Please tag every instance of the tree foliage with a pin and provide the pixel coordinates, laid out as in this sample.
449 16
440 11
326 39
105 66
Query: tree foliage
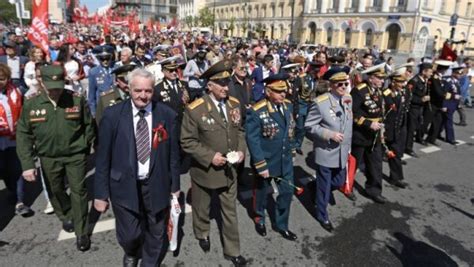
206 17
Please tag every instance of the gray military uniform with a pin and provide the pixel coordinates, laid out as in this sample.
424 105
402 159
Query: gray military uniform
326 116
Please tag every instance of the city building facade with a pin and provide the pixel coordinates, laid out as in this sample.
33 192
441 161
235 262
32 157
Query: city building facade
416 27
158 10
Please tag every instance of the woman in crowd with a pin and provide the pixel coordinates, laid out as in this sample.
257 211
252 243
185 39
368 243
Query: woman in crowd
36 55
73 69
10 167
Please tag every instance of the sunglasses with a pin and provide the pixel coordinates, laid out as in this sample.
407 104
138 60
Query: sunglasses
340 84
173 70
278 92
222 82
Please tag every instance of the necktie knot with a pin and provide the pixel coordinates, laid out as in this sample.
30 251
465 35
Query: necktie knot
141 113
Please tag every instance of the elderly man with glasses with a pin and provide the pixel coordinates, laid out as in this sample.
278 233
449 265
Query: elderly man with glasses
329 122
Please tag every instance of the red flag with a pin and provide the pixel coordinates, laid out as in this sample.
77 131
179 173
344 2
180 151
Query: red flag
149 24
447 53
38 33
158 26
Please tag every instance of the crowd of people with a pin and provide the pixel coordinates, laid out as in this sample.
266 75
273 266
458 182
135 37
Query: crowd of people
155 105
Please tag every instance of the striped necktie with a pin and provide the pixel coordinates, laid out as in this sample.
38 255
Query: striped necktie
142 138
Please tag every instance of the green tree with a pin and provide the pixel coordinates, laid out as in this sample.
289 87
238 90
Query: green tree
206 17
189 21
231 25
8 12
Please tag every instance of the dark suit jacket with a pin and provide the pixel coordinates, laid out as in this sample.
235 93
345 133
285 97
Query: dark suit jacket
23 61
116 161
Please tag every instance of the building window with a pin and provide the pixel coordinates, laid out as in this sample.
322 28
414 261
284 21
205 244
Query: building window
335 5
329 37
347 36
369 38
273 11
402 3
281 12
355 4
468 9
443 6
377 3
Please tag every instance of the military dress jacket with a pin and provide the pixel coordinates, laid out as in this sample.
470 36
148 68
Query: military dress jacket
437 91
328 115
48 130
417 90
107 99
452 97
367 107
270 137
396 103
174 98
204 133
100 80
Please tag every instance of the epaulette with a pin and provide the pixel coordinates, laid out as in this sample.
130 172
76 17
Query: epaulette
260 104
33 95
302 75
195 103
287 101
233 99
361 86
108 92
322 98
387 92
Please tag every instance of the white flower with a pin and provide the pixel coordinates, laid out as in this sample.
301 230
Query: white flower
232 157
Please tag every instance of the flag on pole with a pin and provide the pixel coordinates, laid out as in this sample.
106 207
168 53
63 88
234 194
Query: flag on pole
38 32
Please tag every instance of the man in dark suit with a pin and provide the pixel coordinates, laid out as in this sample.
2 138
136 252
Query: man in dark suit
16 63
137 168
260 74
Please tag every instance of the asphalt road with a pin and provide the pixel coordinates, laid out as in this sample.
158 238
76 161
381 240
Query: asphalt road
428 224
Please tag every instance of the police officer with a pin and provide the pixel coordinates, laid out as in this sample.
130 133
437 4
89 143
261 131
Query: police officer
438 94
366 139
57 127
329 122
451 102
395 125
117 93
100 77
212 135
269 130
419 101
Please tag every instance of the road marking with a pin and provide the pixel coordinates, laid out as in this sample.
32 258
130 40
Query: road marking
101 226
430 149
188 208
472 137
460 142
406 156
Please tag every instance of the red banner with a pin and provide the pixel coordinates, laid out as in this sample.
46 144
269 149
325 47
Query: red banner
38 33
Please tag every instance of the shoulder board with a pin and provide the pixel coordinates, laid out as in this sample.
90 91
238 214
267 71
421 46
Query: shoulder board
322 98
387 92
361 86
108 92
287 101
33 95
260 104
195 103
233 99
302 75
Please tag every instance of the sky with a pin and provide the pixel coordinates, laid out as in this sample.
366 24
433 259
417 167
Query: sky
92 5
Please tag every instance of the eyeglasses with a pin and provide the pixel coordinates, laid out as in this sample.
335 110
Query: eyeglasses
222 82
171 71
340 84
242 68
278 92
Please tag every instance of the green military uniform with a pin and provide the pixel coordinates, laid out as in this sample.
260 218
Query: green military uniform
203 133
115 95
61 135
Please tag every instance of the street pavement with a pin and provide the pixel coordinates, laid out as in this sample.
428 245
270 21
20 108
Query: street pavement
428 224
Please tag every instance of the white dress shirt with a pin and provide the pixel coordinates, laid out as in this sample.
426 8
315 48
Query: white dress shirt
143 169
14 64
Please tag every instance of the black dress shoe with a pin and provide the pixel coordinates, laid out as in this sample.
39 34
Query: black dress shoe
299 151
433 143
454 143
130 261
261 229
398 183
379 199
288 235
412 153
351 196
205 244
404 162
327 225
237 261
83 243
424 143
68 226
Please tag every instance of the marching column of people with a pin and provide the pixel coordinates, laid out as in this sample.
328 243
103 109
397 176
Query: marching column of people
154 114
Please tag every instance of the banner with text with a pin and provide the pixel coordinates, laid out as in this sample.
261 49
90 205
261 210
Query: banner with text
38 33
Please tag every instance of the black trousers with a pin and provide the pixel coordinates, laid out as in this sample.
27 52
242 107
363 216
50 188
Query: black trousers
395 164
373 166
415 120
436 124
145 230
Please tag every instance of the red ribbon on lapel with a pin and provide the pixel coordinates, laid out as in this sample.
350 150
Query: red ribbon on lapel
159 134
